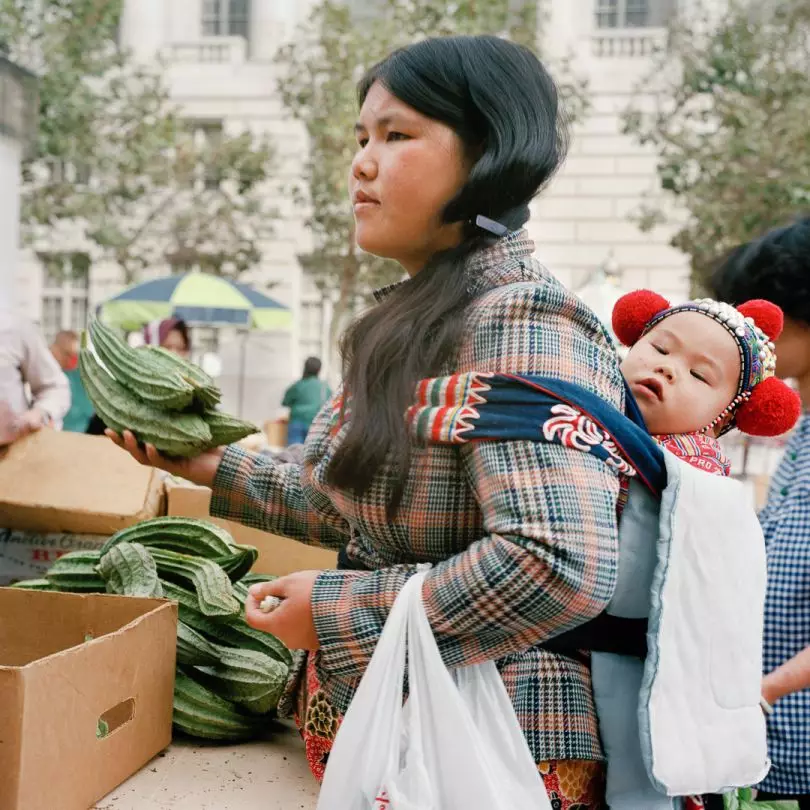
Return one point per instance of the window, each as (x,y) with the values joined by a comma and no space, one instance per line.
(65,293)
(633,13)
(226,18)
(207,134)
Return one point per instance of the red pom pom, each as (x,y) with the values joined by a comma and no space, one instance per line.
(767,316)
(634,311)
(772,410)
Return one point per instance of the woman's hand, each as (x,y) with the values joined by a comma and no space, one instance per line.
(292,620)
(200,470)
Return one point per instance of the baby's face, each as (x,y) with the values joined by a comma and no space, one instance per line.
(684,372)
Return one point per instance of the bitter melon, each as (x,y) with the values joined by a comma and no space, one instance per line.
(77,572)
(237,564)
(227,429)
(233,631)
(35,585)
(130,570)
(200,712)
(251,679)
(214,591)
(177,434)
(161,389)
(206,392)
(184,535)
(193,649)
(253,578)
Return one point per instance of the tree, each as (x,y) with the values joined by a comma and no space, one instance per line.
(117,173)
(729,125)
(319,71)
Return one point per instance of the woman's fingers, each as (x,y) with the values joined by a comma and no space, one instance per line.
(148,455)
(257,593)
(275,587)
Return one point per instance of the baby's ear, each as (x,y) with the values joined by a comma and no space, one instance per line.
(771,410)
(767,316)
(634,311)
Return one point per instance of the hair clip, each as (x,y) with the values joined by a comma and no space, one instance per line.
(487,224)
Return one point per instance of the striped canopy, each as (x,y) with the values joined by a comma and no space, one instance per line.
(200,299)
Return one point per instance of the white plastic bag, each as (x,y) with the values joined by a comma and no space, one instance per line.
(454,745)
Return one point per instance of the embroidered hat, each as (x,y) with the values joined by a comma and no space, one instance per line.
(763,405)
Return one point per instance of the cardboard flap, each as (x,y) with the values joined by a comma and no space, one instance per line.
(53,481)
(36,624)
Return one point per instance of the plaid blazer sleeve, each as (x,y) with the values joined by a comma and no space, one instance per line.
(549,559)
(266,494)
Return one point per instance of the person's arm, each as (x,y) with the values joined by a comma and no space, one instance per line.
(264,493)
(289,397)
(547,560)
(9,427)
(50,388)
(792,676)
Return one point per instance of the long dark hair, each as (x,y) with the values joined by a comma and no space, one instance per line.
(503,105)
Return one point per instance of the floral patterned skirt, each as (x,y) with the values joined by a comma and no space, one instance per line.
(571,784)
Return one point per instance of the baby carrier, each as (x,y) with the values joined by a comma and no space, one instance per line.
(677,655)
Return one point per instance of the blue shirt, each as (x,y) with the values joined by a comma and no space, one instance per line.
(786,523)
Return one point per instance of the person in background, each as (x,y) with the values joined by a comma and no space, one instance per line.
(305,399)
(26,361)
(8,427)
(65,349)
(777,267)
(171,334)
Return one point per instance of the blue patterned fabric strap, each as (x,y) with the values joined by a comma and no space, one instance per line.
(481,407)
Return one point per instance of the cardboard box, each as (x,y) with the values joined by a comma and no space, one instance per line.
(277,555)
(55,687)
(28,555)
(276,432)
(53,481)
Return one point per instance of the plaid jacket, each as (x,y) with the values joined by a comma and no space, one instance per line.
(522,535)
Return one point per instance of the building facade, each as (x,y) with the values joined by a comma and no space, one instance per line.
(218,56)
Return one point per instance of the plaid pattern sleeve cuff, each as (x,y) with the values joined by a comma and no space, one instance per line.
(266,494)
(349,609)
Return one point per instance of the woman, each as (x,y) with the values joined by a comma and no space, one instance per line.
(455,136)
(171,334)
(304,399)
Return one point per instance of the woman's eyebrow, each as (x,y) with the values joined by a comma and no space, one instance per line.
(382,121)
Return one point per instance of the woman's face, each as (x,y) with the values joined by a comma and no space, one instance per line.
(175,342)
(793,350)
(407,168)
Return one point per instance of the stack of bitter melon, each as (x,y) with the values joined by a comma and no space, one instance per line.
(230,676)
(161,398)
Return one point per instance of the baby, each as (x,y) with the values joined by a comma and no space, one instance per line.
(696,371)
(700,369)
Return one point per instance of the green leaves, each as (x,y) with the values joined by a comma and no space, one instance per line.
(117,168)
(729,123)
(742,799)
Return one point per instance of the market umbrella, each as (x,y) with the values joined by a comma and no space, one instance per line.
(200,299)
